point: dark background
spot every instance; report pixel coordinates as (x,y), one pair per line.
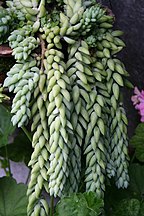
(129,16)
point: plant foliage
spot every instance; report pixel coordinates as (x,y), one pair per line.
(65,86)
(6,127)
(19,150)
(13,200)
(86,204)
(137,141)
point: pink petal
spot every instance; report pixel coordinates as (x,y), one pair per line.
(142,112)
(136,91)
(134,99)
(141,98)
(140,106)
(137,107)
(142,119)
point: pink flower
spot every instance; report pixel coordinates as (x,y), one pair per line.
(138,102)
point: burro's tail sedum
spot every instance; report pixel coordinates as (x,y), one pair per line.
(66,83)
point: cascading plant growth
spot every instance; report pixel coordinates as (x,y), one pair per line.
(66,83)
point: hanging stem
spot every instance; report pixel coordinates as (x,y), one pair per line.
(29,173)
(8,173)
(51,206)
(27,133)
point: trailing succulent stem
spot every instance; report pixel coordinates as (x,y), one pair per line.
(66,83)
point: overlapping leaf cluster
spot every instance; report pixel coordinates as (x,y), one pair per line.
(6,22)
(67,81)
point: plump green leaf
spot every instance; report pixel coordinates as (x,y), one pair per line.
(13,200)
(86,204)
(127,207)
(137,141)
(19,150)
(6,127)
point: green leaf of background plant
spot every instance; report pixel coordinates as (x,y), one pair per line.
(113,196)
(13,200)
(19,150)
(135,190)
(136,186)
(141,213)
(93,202)
(6,127)
(127,207)
(137,141)
(86,204)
